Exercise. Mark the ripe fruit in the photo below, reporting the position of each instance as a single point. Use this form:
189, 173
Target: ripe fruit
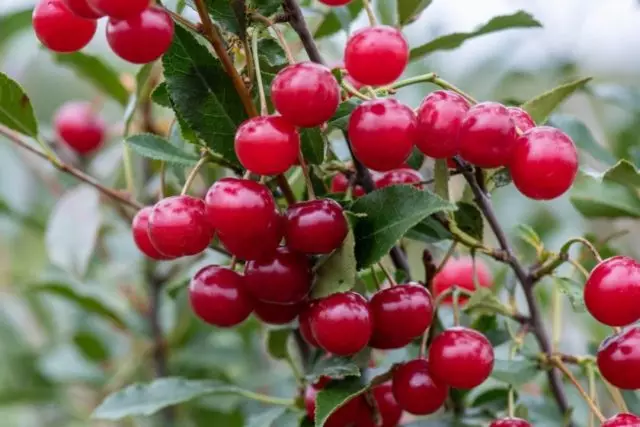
78, 125
178, 226
389, 410
59, 29
340, 183
315, 226
119, 9
487, 135
377, 55
622, 420
277, 314
347, 415
218, 296
612, 291
619, 359
140, 230
399, 176
267, 145
459, 272
335, 2
283, 279
544, 163
82, 9
141, 38
306, 94
400, 314
461, 358
342, 323
510, 422
304, 320
382, 133
439, 118
521, 118
415, 390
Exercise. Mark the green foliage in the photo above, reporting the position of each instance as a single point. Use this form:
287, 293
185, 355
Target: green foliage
337, 271
469, 219
13, 23
277, 340
333, 367
515, 372
409, 10
338, 18
340, 119
582, 136
16, 111
157, 148
573, 290
544, 104
335, 395
601, 197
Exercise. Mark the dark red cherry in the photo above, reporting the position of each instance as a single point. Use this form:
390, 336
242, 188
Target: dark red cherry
399, 176
389, 410
510, 422
382, 133
439, 119
622, 420
521, 118
334, 2
178, 226
487, 136
59, 29
82, 9
459, 272
342, 323
119, 9
416, 390
80, 127
544, 163
304, 320
340, 183
619, 359
461, 358
218, 296
277, 314
315, 226
140, 230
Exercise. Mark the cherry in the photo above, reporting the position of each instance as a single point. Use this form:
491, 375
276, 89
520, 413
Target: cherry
521, 118
347, 415
382, 133
142, 38
510, 422
334, 2
315, 226
389, 410
415, 389
283, 279
622, 420
487, 135
218, 296
277, 314
267, 145
544, 163
400, 314
377, 55
619, 359
304, 320
459, 272
178, 226
399, 176
342, 323
340, 183
78, 125
140, 230
119, 9
59, 29
461, 358
439, 118
306, 94
82, 9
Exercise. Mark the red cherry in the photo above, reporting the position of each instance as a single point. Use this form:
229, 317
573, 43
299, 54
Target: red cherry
451, 164
415, 389
487, 135
315, 226
78, 125
389, 410
141, 38
306, 94
623, 420
521, 118
399, 176
619, 359
342, 323
340, 183
178, 226
544, 163
82, 9
283, 279
218, 296
347, 415
377, 55
59, 29
304, 320
459, 272
510, 422
334, 2
461, 358
439, 118
119, 9
382, 133
277, 314
400, 314
140, 230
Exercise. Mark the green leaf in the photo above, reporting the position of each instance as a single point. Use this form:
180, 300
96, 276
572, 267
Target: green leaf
498, 179
469, 219
266, 7
338, 18
519, 19
529, 235
390, 213
429, 231
142, 78
334, 367
624, 173
441, 178
582, 136
266, 418
222, 13
515, 372
16, 111
91, 345
594, 197
335, 395
313, 144
202, 93
97, 71
484, 300
277, 340
157, 148
271, 53
410, 10
573, 290
337, 271
544, 104
13, 23
340, 119
160, 95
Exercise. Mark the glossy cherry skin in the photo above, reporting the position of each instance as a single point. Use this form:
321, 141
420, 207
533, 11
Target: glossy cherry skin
376, 56
382, 133
510, 422
459, 272
342, 323
399, 176
416, 390
277, 314
347, 415
461, 358
521, 118
82, 9
315, 226
119, 9
340, 183
622, 420
59, 29
335, 2
283, 279
140, 231
389, 410
267, 145
487, 135
400, 314
544, 163
439, 118
306, 94
80, 127
141, 38
304, 321
619, 359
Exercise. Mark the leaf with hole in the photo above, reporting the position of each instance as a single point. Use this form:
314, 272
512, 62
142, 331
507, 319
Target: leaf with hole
336, 272
157, 148
16, 111
540, 107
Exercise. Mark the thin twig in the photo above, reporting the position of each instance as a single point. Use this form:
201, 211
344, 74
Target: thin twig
297, 22
592, 405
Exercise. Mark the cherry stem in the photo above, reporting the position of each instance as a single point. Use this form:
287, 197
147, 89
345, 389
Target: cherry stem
256, 66
307, 177
592, 392
565, 248
376, 282
446, 85
579, 267
373, 21
193, 174
447, 256
182, 20
455, 293
283, 42
423, 343
353, 91
556, 319
233, 262
388, 274
162, 173
616, 395
511, 393
592, 405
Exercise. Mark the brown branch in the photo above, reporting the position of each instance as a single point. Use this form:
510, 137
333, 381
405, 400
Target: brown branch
299, 25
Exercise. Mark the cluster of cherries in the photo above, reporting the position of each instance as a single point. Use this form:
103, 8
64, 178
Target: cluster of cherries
136, 32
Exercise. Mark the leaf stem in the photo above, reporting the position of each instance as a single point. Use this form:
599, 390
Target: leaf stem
256, 66
193, 174
592, 405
